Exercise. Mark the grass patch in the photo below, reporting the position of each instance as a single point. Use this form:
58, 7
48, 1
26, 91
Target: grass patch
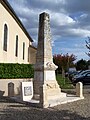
64, 83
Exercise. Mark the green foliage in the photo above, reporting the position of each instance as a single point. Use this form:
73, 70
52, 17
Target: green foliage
64, 83
10, 70
82, 64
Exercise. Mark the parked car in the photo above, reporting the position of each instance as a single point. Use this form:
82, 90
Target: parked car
83, 77
82, 72
71, 74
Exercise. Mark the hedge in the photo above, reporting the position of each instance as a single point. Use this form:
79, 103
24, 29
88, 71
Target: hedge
10, 71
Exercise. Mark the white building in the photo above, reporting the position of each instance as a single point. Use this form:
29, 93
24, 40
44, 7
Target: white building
15, 42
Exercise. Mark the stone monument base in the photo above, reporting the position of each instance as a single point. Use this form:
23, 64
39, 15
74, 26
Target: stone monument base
49, 91
53, 90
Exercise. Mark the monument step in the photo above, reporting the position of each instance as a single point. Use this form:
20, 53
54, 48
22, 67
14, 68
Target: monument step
54, 102
57, 96
53, 91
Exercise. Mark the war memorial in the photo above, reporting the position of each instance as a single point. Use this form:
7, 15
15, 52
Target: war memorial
43, 91
46, 88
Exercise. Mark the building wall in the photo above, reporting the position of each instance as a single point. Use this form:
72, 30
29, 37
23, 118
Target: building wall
32, 55
13, 30
5, 86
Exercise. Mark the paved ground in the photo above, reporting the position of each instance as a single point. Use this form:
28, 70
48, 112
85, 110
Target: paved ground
79, 110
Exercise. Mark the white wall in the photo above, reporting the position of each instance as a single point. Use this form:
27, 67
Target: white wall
13, 30
17, 85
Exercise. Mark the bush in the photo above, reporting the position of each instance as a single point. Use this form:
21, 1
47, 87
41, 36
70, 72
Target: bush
10, 71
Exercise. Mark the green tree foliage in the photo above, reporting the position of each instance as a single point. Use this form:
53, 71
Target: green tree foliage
82, 64
9, 70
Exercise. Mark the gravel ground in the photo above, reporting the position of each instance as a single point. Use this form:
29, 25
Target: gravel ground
79, 110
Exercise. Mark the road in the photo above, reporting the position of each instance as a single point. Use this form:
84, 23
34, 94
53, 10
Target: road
79, 110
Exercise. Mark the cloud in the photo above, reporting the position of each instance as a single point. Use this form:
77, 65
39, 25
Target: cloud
57, 21
74, 49
62, 22
73, 6
68, 18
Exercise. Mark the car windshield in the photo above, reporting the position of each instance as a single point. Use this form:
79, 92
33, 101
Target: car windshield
84, 72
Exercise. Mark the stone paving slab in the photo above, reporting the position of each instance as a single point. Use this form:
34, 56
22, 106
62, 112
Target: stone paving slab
78, 110
64, 100
53, 102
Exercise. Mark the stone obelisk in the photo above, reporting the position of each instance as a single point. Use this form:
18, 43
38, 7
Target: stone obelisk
44, 76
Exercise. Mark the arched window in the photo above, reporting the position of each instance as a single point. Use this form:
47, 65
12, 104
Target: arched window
5, 37
16, 51
23, 50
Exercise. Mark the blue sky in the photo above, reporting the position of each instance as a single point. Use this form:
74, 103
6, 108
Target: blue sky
70, 23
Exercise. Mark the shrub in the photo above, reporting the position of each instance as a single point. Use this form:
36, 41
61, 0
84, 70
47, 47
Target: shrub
10, 71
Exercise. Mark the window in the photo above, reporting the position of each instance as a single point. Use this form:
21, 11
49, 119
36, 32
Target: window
16, 51
23, 50
88, 74
28, 54
5, 37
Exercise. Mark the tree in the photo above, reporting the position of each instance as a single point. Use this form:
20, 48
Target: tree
88, 46
64, 62
82, 65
